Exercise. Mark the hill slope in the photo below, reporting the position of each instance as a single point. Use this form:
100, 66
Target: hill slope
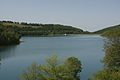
41, 29
107, 29
113, 31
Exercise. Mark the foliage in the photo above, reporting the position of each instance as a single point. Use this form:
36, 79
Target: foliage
102, 31
73, 65
8, 36
54, 70
112, 33
106, 75
112, 53
41, 29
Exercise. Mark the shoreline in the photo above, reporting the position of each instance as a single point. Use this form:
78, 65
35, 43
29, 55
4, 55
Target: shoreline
57, 35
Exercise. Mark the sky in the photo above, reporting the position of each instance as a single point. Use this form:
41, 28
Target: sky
90, 15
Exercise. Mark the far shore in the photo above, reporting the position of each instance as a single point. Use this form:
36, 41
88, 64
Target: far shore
57, 35
84, 34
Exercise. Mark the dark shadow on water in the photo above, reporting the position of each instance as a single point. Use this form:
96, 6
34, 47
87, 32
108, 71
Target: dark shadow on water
7, 51
0, 63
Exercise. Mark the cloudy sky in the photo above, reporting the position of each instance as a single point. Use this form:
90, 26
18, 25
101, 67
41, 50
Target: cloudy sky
85, 14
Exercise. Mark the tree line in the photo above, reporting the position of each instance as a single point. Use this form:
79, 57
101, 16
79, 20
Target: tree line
10, 32
29, 29
9, 36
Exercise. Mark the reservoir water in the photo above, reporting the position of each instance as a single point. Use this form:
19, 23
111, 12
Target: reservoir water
17, 58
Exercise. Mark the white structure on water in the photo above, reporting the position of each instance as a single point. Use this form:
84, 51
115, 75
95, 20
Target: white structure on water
65, 34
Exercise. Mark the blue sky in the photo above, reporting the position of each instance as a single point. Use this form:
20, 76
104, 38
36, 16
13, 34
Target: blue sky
85, 14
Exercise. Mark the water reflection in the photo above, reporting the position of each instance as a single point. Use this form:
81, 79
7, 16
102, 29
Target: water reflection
0, 63
7, 51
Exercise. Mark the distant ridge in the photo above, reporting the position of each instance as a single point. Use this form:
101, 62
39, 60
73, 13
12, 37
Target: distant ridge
113, 31
107, 29
36, 29
33, 29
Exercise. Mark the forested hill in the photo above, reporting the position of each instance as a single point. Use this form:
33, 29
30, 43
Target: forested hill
113, 31
107, 29
41, 29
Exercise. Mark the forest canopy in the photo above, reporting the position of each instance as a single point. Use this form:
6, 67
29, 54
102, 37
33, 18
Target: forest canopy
31, 29
9, 36
54, 70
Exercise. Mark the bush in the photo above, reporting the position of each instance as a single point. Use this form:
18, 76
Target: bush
53, 70
8, 36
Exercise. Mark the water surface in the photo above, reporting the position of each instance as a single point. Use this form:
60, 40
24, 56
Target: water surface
16, 58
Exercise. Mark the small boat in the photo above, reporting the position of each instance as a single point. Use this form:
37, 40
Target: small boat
65, 34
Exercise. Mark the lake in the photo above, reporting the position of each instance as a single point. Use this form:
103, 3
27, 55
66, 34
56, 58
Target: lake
17, 58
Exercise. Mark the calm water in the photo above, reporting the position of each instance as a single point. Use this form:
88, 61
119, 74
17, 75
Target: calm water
16, 59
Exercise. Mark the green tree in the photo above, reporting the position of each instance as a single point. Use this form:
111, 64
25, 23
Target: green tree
106, 75
73, 67
112, 54
54, 70
35, 29
8, 36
